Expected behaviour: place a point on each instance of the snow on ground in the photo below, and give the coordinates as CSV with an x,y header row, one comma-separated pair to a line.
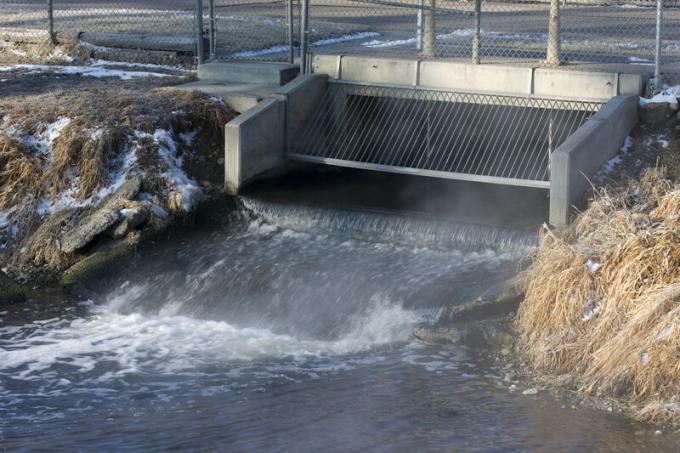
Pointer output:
x,y
638,60
460,33
188,191
100,63
85,71
669,94
609,166
321,42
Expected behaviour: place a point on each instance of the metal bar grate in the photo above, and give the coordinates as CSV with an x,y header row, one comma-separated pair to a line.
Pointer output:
x,y
482,137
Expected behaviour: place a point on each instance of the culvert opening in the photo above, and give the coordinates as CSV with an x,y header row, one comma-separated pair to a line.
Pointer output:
x,y
503,139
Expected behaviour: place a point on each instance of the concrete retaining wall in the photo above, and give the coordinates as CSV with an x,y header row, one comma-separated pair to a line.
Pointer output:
x,y
584,152
255,141
489,78
302,97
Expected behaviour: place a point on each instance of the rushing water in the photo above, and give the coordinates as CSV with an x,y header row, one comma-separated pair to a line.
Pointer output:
x,y
287,330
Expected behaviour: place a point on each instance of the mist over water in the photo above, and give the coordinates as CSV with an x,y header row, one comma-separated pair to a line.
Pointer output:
x,y
289,328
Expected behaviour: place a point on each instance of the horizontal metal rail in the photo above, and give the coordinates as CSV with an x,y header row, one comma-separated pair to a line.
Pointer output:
x,y
500,139
421,172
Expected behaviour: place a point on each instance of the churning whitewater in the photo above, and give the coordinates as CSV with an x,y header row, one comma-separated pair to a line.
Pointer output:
x,y
256,297
278,330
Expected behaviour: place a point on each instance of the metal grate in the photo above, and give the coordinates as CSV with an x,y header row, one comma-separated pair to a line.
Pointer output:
x,y
501,139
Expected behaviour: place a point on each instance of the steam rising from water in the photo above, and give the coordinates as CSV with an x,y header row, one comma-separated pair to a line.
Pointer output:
x,y
263,294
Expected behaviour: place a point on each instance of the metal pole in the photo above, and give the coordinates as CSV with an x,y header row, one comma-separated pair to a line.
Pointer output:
x,y
304,36
419,26
50,21
291,33
554,50
211,32
657,59
430,38
200,49
476,39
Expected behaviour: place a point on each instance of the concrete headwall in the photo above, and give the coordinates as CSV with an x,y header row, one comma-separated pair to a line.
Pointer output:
x,y
584,152
489,78
256,141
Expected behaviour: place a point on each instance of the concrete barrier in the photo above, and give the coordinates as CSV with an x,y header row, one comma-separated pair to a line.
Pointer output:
x,y
488,78
254,143
302,97
584,153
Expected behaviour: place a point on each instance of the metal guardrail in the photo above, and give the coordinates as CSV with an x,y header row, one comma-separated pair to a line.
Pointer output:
x,y
503,139
627,32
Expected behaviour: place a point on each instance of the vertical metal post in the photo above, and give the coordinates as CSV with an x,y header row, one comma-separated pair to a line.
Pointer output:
x,y
291,33
304,36
430,37
554,47
476,39
200,45
657,58
50,21
211,31
419,26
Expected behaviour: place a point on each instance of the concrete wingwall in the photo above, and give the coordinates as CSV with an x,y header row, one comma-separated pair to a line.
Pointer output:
x,y
584,152
256,140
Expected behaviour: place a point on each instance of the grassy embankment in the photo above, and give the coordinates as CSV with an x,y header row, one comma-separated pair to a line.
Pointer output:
x,y
602,298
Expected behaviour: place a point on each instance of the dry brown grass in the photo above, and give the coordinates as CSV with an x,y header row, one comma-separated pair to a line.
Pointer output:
x,y
629,345
83,160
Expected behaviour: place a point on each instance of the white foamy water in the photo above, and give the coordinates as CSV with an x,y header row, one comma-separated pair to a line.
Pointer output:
x,y
138,343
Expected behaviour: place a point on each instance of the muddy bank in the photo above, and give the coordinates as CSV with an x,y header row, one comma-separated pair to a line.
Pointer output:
x,y
93,161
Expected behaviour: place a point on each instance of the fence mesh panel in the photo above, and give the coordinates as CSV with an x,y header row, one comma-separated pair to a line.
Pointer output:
x,y
592,31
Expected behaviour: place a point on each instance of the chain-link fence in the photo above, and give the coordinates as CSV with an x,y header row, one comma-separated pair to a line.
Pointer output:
x,y
591,31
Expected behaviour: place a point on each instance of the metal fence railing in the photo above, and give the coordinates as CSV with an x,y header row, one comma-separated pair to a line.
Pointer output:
x,y
590,31
502,139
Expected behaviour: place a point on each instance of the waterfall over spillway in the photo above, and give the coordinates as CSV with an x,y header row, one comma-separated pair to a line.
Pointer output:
x,y
392,227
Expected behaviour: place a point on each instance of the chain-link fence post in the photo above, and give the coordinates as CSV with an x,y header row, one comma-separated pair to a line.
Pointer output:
x,y
50,21
554,51
198,24
476,39
430,30
291,32
419,26
657,56
211,32
304,36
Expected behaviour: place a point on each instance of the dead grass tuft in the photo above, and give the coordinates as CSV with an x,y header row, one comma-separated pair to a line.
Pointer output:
x,y
602,298
105,121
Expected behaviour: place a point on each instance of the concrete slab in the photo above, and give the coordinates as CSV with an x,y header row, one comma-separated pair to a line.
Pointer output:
x,y
375,70
240,97
497,78
263,73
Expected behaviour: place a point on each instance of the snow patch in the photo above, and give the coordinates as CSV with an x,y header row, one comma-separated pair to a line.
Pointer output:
x,y
669,95
460,33
100,63
592,265
188,189
321,42
84,71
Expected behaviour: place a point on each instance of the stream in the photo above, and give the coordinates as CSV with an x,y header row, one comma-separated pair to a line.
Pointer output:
x,y
287,328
